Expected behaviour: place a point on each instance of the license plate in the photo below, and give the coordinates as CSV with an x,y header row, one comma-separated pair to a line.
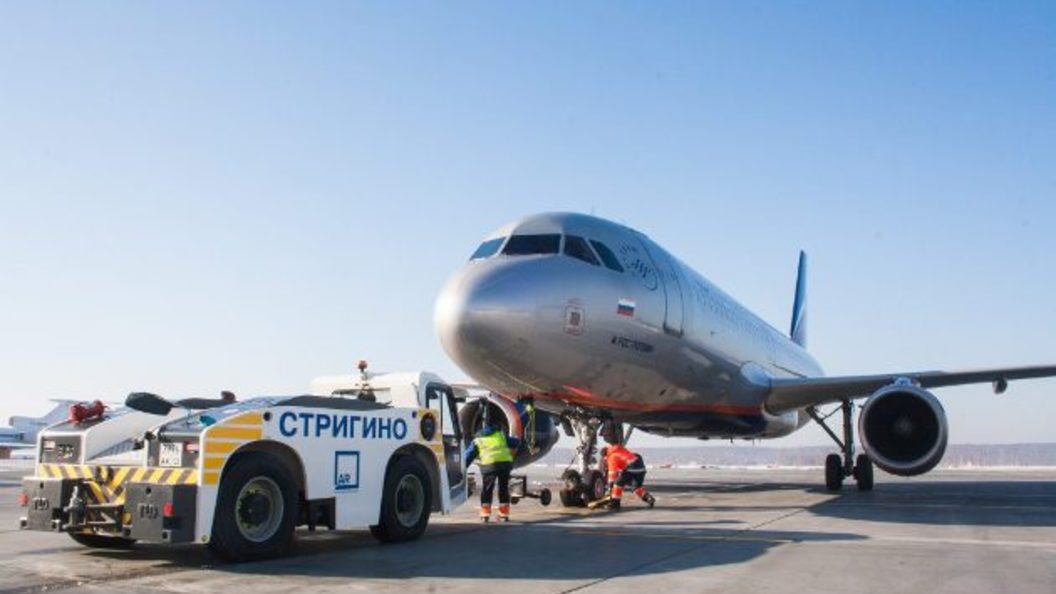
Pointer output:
x,y
171,454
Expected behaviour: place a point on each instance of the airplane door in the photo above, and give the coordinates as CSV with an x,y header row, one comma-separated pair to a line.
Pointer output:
x,y
451,433
672,285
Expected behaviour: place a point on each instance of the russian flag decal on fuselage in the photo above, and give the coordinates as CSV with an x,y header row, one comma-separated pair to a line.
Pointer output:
x,y
625,307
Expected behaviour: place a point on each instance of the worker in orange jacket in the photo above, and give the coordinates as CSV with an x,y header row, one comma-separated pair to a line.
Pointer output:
x,y
625,469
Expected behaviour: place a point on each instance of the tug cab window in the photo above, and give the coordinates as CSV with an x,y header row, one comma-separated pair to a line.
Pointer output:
x,y
607,256
525,245
487,249
578,248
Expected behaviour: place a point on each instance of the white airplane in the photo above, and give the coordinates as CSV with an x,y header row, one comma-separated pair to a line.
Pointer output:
x,y
599,326
22,432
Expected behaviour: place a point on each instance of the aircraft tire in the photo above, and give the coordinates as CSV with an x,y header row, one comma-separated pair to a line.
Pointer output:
x,y
593,486
572,485
833,472
863,472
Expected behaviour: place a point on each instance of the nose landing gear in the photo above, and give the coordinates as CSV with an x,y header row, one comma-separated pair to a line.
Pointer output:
x,y
582,485
580,490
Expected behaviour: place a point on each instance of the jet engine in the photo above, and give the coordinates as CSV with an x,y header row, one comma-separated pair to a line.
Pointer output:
x,y
903,429
536,429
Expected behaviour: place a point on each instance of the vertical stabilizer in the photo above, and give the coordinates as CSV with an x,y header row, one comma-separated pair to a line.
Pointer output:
x,y
798,332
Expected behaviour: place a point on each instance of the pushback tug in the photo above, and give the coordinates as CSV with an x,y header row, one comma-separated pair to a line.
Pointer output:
x,y
377,451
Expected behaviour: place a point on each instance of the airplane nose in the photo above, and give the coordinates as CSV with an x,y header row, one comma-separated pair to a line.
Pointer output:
x,y
485,318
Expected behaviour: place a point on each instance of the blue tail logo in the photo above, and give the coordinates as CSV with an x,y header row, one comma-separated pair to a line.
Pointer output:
x,y
798,332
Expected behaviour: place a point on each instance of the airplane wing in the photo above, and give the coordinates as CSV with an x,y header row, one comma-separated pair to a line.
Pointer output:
x,y
791,393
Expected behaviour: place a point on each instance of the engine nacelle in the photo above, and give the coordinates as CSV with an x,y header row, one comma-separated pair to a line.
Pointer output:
x,y
537,435
903,429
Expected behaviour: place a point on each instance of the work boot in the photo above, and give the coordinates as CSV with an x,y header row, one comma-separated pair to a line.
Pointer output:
x,y
649,500
504,512
614,505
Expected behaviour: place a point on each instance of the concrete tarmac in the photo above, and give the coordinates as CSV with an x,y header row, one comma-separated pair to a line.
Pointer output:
x,y
712,531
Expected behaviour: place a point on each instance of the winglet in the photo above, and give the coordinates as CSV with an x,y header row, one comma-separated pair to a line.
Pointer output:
x,y
798,331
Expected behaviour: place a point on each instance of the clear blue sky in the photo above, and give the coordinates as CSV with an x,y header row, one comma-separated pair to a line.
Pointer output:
x,y
199,196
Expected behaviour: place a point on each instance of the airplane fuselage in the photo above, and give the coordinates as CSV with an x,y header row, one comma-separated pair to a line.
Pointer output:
x,y
621,327
8,436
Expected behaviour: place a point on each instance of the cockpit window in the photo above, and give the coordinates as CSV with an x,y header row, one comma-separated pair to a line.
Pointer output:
x,y
607,256
487,249
577,248
523,245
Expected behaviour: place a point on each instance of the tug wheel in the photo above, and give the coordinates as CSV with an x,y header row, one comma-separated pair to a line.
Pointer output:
x,y
406,502
256,509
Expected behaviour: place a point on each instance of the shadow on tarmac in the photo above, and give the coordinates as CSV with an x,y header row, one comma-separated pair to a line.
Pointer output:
x,y
588,546
544,551
558,548
945,503
917,501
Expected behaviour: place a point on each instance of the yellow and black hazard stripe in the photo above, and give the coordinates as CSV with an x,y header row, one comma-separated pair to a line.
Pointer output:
x,y
224,438
106,484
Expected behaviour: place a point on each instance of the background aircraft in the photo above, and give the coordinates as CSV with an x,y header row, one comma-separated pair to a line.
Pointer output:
x,y
22,432
598,326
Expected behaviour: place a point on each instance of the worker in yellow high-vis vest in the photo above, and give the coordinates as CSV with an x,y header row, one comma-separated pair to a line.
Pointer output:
x,y
495,451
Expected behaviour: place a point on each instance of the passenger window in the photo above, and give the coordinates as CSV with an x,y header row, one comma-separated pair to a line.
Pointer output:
x,y
524,245
607,256
577,248
487,249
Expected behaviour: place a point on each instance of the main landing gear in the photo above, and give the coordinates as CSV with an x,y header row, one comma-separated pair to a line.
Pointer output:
x,y
583,484
837,466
